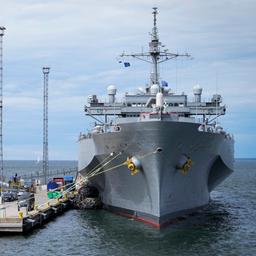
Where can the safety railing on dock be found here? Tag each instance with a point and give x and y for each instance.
(52, 173)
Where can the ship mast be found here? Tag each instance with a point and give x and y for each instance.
(154, 50)
(155, 55)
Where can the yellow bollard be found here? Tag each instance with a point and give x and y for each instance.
(20, 215)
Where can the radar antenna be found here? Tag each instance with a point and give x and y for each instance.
(155, 55)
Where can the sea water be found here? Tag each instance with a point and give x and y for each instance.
(227, 226)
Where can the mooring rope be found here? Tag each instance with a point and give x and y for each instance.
(99, 164)
(97, 170)
(119, 165)
(90, 174)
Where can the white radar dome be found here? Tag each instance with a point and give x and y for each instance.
(154, 88)
(197, 89)
(140, 90)
(111, 90)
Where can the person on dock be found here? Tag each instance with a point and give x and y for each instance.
(15, 178)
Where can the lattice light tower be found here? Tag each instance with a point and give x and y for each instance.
(2, 29)
(46, 71)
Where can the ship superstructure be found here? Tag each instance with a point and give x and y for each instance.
(155, 155)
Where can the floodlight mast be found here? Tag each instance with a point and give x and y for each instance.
(2, 29)
(46, 71)
(155, 55)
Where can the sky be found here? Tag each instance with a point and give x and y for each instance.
(80, 41)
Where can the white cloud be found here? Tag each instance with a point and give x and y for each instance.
(23, 102)
(26, 152)
(81, 39)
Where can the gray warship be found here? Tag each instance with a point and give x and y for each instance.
(155, 155)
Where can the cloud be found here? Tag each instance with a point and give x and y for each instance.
(80, 41)
(23, 102)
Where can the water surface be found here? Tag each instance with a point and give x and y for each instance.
(227, 226)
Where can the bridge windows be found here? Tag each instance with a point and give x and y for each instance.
(132, 115)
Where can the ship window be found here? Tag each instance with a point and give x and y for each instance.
(176, 104)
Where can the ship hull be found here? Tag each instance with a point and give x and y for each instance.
(160, 191)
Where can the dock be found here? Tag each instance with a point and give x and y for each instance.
(13, 220)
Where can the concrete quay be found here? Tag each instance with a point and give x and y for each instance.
(23, 221)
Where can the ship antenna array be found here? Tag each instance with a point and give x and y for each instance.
(156, 54)
(2, 29)
(46, 71)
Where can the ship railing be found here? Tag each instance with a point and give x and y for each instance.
(213, 128)
(84, 136)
